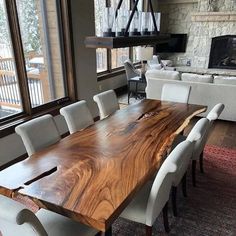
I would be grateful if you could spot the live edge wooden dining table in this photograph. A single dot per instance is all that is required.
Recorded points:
(91, 175)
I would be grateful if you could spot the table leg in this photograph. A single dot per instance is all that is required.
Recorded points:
(108, 232)
(136, 91)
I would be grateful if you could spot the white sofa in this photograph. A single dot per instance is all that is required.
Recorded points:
(203, 89)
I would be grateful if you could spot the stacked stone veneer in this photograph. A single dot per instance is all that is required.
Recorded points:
(201, 25)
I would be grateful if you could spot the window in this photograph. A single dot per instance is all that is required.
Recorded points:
(35, 69)
(101, 53)
(109, 60)
(118, 56)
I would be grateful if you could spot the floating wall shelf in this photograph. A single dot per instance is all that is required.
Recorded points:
(121, 42)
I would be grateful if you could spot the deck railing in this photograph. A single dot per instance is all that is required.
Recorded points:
(9, 90)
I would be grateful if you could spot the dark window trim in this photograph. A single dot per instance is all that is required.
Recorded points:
(115, 72)
(111, 74)
(9, 127)
(8, 124)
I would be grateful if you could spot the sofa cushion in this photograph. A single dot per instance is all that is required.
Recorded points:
(155, 66)
(224, 80)
(189, 77)
(163, 74)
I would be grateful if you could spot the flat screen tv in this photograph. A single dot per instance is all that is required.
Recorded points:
(177, 43)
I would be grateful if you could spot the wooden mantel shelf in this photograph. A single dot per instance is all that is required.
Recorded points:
(214, 16)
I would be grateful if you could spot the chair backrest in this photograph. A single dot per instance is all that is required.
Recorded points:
(202, 127)
(212, 116)
(38, 133)
(77, 116)
(175, 93)
(130, 70)
(16, 219)
(215, 112)
(160, 191)
(107, 103)
(182, 161)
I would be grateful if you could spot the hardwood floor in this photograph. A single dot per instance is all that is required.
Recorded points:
(223, 133)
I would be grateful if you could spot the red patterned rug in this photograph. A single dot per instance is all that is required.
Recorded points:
(209, 209)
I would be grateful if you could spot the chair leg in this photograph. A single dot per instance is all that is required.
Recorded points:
(184, 185)
(165, 218)
(201, 163)
(108, 232)
(128, 91)
(194, 163)
(148, 230)
(136, 91)
(173, 195)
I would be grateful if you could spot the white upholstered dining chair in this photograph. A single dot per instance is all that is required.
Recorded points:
(175, 93)
(38, 133)
(202, 126)
(212, 116)
(107, 103)
(180, 175)
(133, 78)
(77, 116)
(130, 70)
(153, 198)
(16, 219)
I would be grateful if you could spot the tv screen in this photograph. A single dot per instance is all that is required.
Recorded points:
(177, 43)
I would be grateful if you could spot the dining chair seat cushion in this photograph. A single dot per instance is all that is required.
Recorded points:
(38, 133)
(137, 78)
(136, 210)
(175, 93)
(59, 225)
(77, 116)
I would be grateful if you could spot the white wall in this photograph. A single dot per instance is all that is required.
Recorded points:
(112, 83)
(86, 76)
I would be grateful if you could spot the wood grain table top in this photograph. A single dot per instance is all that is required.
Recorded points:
(91, 175)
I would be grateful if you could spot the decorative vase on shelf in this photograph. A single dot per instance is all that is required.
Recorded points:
(121, 22)
(146, 23)
(108, 22)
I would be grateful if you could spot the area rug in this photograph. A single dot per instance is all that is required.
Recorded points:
(209, 209)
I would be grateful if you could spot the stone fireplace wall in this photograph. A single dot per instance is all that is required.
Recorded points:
(200, 22)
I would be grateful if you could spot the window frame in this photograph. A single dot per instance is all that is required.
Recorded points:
(111, 72)
(7, 124)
